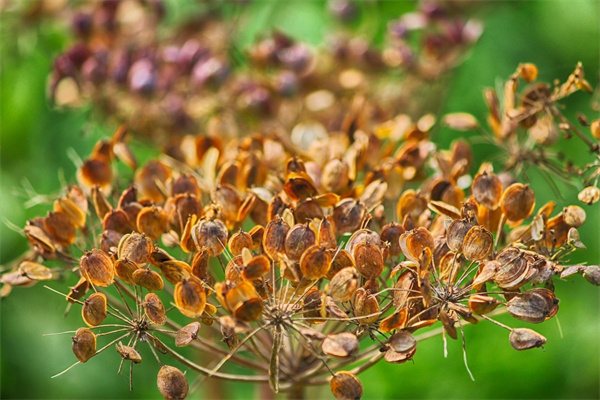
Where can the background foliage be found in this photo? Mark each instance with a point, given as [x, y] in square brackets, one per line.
[35, 140]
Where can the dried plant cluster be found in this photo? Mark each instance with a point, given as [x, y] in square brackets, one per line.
[325, 239]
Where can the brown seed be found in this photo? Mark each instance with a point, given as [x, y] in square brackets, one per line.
[256, 268]
[487, 189]
[366, 305]
[148, 279]
[154, 309]
[414, 242]
[190, 298]
[118, 220]
[369, 260]
[574, 216]
[335, 176]
[517, 202]
[511, 268]
[391, 233]
[346, 386]
[402, 342]
[299, 186]
[129, 353]
[589, 195]
[70, 209]
[172, 383]
[348, 215]
[200, 264]
[344, 284]
[97, 267]
[94, 309]
[478, 243]
[534, 305]
[227, 198]
[411, 204]
[457, 231]
[249, 310]
[60, 228]
[274, 238]
[149, 177]
[35, 271]
[482, 304]
[187, 334]
[340, 345]
[315, 262]
[84, 344]
[101, 204]
[326, 236]
[135, 247]
[175, 271]
[124, 269]
[239, 241]
[152, 221]
[297, 240]
[39, 239]
[528, 72]
[211, 234]
[360, 236]
[78, 291]
[524, 338]
[95, 171]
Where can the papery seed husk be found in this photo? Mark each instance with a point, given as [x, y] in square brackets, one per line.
[346, 386]
[517, 202]
[35, 271]
[369, 260]
[297, 240]
[152, 221]
[172, 383]
[239, 241]
[478, 243]
[187, 334]
[60, 228]
[84, 344]
[148, 279]
[124, 269]
[211, 234]
[174, 270]
[395, 357]
[523, 339]
[482, 304]
[154, 309]
[190, 298]
[534, 305]
[344, 284]
[129, 353]
[395, 321]
[315, 262]
[340, 345]
[391, 233]
[274, 238]
[135, 247]
[366, 304]
[591, 273]
[97, 267]
[457, 231]
[94, 309]
[402, 342]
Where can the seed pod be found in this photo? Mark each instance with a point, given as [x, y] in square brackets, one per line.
[200, 264]
[95, 171]
[35, 271]
[211, 234]
[574, 216]
[528, 72]
[591, 194]
[395, 321]
[395, 357]
[97, 267]
[135, 247]
[244, 302]
[227, 197]
[457, 231]
[117, 220]
[239, 241]
[517, 202]
[60, 228]
[487, 189]
[478, 243]
[404, 286]
[274, 238]
[391, 233]
[411, 204]
[175, 271]
[534, 305]
[591, 273]
[129, 353]
[523, 339]
[152, 221]
[402, 342]
[348, 215]
[256, 268]
[360, 236]
[148, 279]
[366, 304]
[315, 262]
[326, 236]
[94, 309]
[39, 240]
[78, 291]
[369, 260]
[344, 284]
[190, 298]
[414, 242]
[124, 269]
[341, 259]
[346, 386]
[482, 304]
[172, 383]
[154, 309]
[299, 186]
[67, 207]
[84, 344]
[297, 240]
[512, 268]
[187, 334]
[340, 345]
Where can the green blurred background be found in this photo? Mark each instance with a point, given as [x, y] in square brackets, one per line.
[34, 141]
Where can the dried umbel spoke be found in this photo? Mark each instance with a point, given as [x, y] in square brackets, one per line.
[295, 221]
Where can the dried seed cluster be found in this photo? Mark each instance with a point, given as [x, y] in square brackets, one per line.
[348, 225]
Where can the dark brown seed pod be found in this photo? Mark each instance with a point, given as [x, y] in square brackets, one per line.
[249, 310]
[129, 353]
[124, 269]
[297, 240]
[402, 342]
[227, 198]
[97, 267]
[171, 383]
[457, 231]
[348, 215]
[148, 279]
[274, 238]
[344, 284]
[60, 228]
[366, 305]
[391, 233]
[95, 172]
[478, 243]
[154, 309]
[413, 243]
[152, 221]
[369, 260]
[84, 344]
[118, 220]
[39, 239]
[35, 271]
[315, 262]
[187, 334]
[190, 298]
[135, 247]
[360, 236]
[78, 291]
[524, 338]
[517, 202]
[487, 189]
[346, 386]
[340, 345]
[534, 305]
[481, 304]
[511, 268]
[326, 234]
[299, 186]
[212, 234]
[240, 241]
[94, 309]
